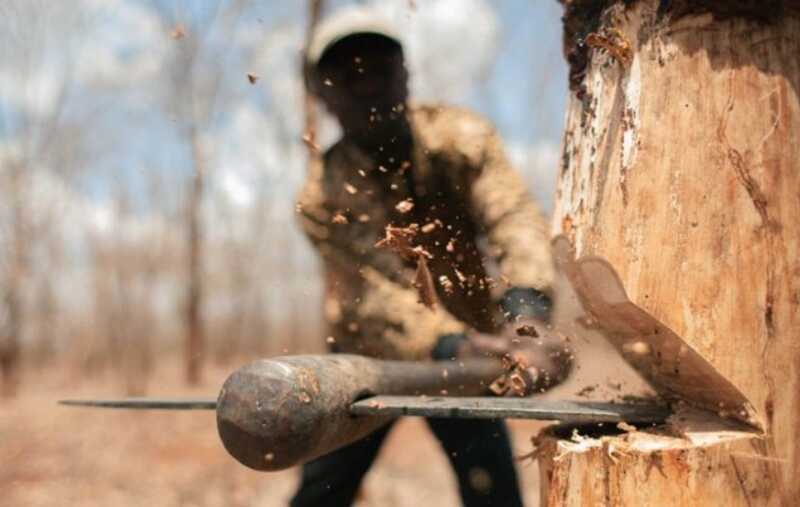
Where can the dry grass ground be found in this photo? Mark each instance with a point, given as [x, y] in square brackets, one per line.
[53, 455]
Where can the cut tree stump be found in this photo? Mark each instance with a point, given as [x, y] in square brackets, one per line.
[707, 465]
[681, 168]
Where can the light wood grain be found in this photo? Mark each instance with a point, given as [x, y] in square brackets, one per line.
[681, 168]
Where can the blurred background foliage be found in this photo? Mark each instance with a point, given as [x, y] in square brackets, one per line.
[133, 131]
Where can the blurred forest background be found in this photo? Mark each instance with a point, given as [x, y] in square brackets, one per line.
[150, 152]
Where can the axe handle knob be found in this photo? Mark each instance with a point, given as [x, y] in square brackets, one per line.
[277, 413]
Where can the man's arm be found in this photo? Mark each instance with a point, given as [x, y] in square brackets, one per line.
[515, 228]
[312, 213]
[391, 314]
[519, 243]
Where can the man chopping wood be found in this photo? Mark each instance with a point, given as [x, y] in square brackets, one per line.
[432, 249]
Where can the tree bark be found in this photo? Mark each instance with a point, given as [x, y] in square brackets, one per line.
[680, 168]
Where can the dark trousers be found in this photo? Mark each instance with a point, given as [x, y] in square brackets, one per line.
[479, 452]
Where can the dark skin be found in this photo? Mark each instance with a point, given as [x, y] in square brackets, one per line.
[363, 81]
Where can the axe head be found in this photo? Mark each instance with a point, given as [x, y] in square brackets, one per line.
[594, 301]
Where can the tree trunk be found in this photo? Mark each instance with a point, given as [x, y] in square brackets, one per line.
[309, 110]
[10, 336]
[10, 346]
[680, 168]
[700, 468]
[195, 331]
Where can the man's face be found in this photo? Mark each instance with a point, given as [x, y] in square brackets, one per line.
[364, 82]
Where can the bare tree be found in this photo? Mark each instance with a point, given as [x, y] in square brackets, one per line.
[38, 141]
[192, 97]
[315, 9]
[15, 271]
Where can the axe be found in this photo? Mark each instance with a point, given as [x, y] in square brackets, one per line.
[276, 413]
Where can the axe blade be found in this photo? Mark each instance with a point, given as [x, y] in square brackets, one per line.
[568, 412]
[147, 403]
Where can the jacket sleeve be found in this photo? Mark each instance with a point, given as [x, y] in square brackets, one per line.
[404, 329]
[312, 210]
[515, 228]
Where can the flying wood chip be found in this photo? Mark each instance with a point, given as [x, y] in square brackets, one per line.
[500, 385]
[309, 140]
[405, 206]
[423, 282]
[518, 379]
[429, 227]
[446, 284]
[178, 32]
[400, 240]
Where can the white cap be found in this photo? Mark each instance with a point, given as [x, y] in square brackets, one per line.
[346, 22]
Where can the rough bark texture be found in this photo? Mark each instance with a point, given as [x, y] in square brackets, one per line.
[680, 167]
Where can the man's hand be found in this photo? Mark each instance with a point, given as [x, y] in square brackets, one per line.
[536, 357]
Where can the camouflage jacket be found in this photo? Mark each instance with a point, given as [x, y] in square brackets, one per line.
[471, 212]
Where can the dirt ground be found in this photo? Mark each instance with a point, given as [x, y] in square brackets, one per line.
[54, 455]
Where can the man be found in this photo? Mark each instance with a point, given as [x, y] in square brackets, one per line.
[398, 210]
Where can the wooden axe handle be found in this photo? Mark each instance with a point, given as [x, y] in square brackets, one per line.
[277, 413]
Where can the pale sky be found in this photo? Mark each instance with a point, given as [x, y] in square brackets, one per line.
[85, 102]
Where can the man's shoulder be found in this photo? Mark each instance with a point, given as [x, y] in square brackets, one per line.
[450, 120]
[341, 153]
[446, 128]
[333, 151]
